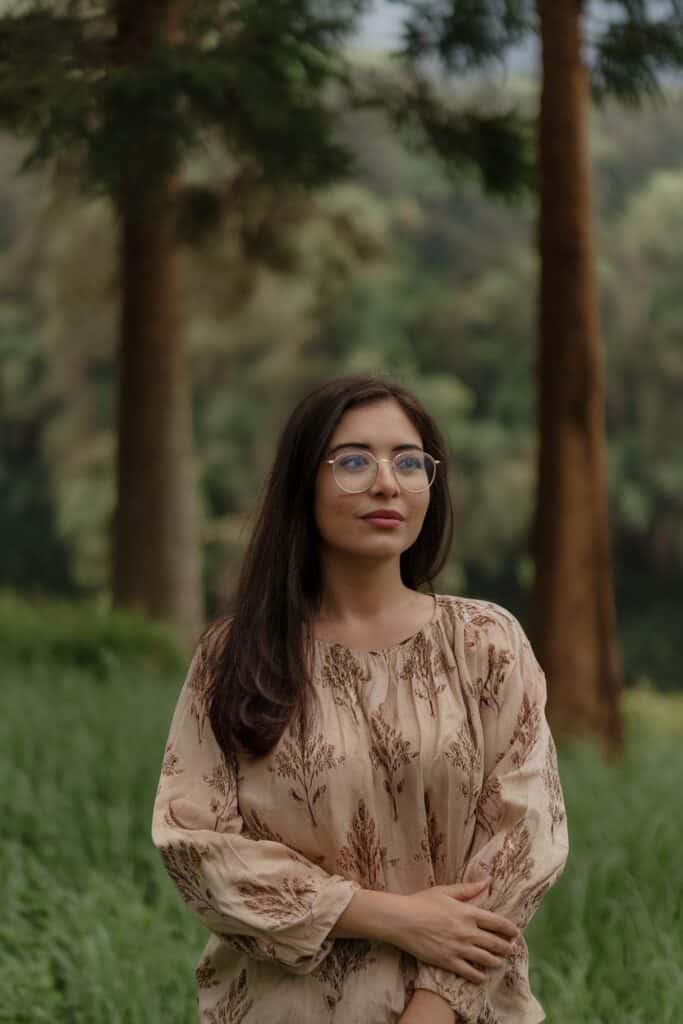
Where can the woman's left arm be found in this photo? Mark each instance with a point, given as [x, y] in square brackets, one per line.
[520, 838]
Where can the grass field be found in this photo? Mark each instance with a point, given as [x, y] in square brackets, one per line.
[93, 932]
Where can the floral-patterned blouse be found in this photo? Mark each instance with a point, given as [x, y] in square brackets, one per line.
[430, 762]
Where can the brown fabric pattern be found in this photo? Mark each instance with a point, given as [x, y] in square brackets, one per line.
[432, 844]
[183, 862]
[363, 857]
[223, 780]
[170, 763]
[286, 901]
[235, 1005]
[205, 974]
[462, 753]
[303, 760]
[551, 780]
[345, 678]
[348, 956]
[421, 666]
[390, 752]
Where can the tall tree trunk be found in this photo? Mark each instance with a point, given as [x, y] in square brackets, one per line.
[573, 617]
[156, 565]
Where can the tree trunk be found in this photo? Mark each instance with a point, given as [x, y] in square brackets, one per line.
[156, 565]
[573, 618]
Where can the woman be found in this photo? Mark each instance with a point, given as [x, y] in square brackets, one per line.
[359, 795]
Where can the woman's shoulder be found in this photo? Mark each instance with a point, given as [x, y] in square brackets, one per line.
[478, 610]
[484, 622]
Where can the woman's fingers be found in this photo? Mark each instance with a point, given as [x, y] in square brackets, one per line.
[466, 970]
[485, 919]
[481, 956]
[493, 943]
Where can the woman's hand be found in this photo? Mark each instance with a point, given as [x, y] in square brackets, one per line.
[426, 1007]
[445, 927]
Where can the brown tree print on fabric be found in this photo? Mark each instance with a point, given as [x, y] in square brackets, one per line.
[289, 900]
[516, 972]
[347, 957]
[205, 974]
[389, 752]
[511, 865]
[551, 781]
[525, 734]
[475, 623]
[343, 675]
[235, 1004]
[183, 862]
[498, 662]
[489, 809]
[487, 1016]
[303, 759]
[432, 840]
[223, 779]
[421, 666]
[464, 754]
[255, 827]
[363, 857]
[249, 945]
[171, 761]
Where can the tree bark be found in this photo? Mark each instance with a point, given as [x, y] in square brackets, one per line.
[156, 564]
[573, 617]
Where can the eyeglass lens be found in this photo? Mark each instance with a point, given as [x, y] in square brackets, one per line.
[356, 471]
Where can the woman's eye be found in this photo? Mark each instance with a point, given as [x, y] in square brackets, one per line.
[410, 462]
[354, 462]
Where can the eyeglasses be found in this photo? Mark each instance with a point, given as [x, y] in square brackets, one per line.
[356, 471]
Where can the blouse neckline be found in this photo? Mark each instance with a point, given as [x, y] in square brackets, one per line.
[381, 651]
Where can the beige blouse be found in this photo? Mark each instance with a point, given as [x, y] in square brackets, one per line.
[430, 762]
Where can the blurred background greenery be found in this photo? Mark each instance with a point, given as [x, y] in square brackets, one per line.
[397, 269]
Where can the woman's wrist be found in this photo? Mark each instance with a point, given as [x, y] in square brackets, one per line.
[372, 915]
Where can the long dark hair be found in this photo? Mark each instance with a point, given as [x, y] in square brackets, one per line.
[254, 654]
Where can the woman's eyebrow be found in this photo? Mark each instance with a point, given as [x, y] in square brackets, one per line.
[362, 444]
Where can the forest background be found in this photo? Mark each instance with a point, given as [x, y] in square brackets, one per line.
[398, 269]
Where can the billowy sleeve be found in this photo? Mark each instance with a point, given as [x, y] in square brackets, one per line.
[520, 837]
[261, 896]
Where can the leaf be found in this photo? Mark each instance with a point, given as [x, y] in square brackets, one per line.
[293, 792]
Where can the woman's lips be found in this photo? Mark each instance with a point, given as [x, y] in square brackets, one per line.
[382, 521]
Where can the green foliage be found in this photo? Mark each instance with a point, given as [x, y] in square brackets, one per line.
[93, 930]
[85, 635]
[636, 47]
[464, 33]
[500, 144]
[401, 271]
[255, 72]
[630, 43]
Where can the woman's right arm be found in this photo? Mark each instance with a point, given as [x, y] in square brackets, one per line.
[259, 895]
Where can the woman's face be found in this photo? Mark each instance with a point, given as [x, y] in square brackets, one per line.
[382, 428]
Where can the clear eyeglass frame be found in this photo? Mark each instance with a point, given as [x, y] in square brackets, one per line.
[331, 462]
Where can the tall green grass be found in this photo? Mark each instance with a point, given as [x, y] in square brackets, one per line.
[93, 932]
